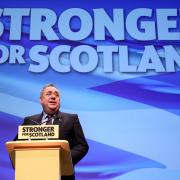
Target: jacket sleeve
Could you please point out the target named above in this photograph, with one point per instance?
(80, 146)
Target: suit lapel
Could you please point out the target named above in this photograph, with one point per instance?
(58, 119)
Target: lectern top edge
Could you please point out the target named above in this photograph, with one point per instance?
(63, 144)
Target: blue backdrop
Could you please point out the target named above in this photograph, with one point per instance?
(131, 120)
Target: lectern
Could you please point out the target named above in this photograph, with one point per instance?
(40, 159)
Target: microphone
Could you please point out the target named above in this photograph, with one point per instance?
(39, 123)
(34, 121)
(55, 118)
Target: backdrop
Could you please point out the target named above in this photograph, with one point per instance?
(131, 120)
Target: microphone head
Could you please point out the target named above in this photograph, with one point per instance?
(33, 121)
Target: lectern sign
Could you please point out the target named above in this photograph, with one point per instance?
(38, 132)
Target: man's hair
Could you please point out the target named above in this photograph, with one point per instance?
(44, 87)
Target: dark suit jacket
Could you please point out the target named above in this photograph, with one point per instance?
(70, 129)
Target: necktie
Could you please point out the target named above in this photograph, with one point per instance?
(50, 119)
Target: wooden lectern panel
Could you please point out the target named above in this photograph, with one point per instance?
(37, 164)
(40, 159)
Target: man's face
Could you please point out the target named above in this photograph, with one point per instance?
(50, 100)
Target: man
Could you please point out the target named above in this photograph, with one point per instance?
(69, 125)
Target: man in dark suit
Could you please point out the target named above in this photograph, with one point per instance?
(69, 125)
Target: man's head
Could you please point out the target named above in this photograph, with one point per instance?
(50, 99)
